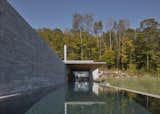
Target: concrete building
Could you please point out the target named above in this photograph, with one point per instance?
(77, 69)
(26, 61)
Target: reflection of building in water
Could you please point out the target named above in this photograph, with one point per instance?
(81, 76)
(102, 100)
(95, 88)
(81, 104)
(81, 87)
(84, 87)
(83, 99)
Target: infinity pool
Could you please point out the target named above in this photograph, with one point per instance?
(83, 98)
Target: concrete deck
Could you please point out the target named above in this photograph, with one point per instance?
(83, 64)
(133, 91)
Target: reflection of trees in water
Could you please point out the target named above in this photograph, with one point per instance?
(116, 102)
(86, 109)
(154, 105)
(71, 95)
(126, 99)
(122, 103)
(150, 103)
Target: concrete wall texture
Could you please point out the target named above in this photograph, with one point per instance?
(26, 62)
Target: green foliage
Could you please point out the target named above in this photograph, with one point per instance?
(156, 58)
(120, 47)
(54, 38)
(127, 51)
(109, 58)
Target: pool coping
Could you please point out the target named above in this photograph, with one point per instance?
(9, 96)
(20, 93)
(130, 90)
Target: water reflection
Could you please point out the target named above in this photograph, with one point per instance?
(95, 88)
(81, 86)
(105, 100)
(21, 104)
(53, 103)
(85, 98)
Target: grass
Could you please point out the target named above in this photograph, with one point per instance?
(144, 84)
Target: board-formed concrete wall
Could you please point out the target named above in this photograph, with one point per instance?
(26, 62)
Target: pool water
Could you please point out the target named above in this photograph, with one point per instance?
(105, 100)
(85, 98)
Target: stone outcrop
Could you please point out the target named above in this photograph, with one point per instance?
(26, 61)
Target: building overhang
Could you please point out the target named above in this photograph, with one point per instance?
(83, 64)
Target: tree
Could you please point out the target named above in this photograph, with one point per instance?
(109, 58)
(72, 40)
(98, 27)
(127, 51)
(88, 23)
(122, 26)
(77, 24)
(157, 60)
(54, 38)
(110, 26)
(82, 23)
(149, 29)
(120, 46)
(140, 52)
(149, 23)
(58, 42)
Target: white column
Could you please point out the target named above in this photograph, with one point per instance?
(65, 53)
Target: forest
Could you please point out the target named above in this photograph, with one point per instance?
(114, 42)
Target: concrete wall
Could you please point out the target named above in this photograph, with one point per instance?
(26, 62)
(96, 74)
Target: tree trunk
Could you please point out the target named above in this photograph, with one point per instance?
(117, 49)
(110, 40)
(147, 61)
(119, 53)
(81, 45)
(97, 44)
(99, 47)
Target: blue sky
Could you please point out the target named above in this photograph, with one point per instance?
(58, 13)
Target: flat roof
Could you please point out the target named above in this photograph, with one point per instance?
(83, 64)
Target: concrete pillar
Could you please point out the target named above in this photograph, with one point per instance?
(65, 53)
